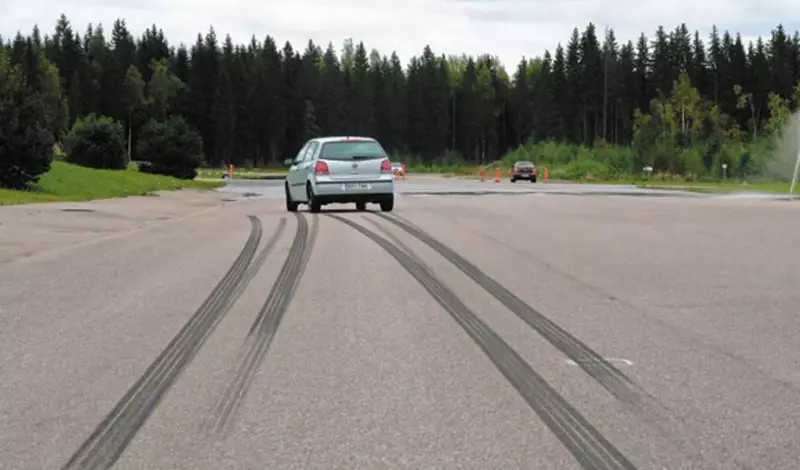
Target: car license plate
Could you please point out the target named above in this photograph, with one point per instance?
(352, 186)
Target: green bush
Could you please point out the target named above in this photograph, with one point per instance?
(586, 169)
(692, 162)
(96, 142)
(171, 147)
(618, 160)
(26, 143)
(673, 159)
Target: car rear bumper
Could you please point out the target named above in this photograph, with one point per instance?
(524, 176)
(336, 191)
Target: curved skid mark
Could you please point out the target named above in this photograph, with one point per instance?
(111, 437)
(639, 400)
(255, 266)
(611, 378)
(586, 444)
(265, 326)
(386, 232)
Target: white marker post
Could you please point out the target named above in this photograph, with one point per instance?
(794, 178)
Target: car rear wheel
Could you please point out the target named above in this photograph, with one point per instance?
(513, 180)
(291, 206)
(313, 204)
(533, 179)
(387, 204)
(361, 206)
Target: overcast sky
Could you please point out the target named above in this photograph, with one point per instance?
(509, 29)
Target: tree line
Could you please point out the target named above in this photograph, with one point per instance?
(678, 102)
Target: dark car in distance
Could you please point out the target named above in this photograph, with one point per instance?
(523, 171)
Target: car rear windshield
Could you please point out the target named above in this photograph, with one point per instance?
(524, 165)
(351, 150)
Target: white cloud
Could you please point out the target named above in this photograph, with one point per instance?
(507, 28)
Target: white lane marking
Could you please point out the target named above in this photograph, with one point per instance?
(611, 360)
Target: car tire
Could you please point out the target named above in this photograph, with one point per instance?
(533, 179)
(387, 205)
(513, 180)
(291, 206)
(361, 206)
(314, 206)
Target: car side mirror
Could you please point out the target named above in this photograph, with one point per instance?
(288, 162)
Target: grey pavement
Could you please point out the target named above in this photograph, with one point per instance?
(571, 331)
(434, 185)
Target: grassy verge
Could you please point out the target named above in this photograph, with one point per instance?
(253, 173)
(446, 170)
(65, 182)
(559, 173)
(720, 187)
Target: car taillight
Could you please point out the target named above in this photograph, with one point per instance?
(321, 168)
(386, 166)
(516, 170)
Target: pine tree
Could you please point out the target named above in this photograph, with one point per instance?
(310, 127)
(26, 141)
(360, 96)
(256, 102)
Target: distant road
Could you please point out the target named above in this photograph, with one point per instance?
(462, 331)
(422, 184)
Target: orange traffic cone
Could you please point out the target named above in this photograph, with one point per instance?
(497, 175)
(483, 175)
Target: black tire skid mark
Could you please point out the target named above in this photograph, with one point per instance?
(547, 265)
(111, 437)
(265, 326)
(255, 266)
(646, 406)
(611, 378)
(587, 445)
(396, 240)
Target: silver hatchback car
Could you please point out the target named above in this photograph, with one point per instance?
(340, 170)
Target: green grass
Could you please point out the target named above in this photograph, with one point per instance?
(720, 187)
(557, 173)
(65, 182)
(240, 173)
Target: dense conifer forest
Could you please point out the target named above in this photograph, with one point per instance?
(674, 100)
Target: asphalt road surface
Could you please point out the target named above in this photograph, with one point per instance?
(509, 331)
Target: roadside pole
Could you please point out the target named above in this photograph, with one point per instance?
(794, 178)
(796, 163)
